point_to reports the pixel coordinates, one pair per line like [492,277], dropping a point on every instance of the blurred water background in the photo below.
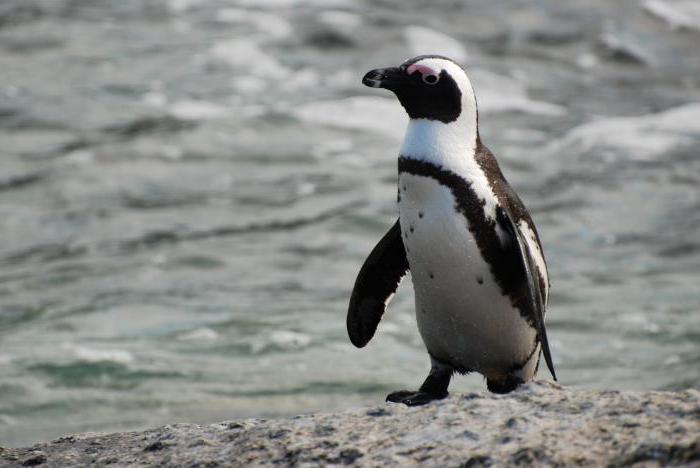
[188,188]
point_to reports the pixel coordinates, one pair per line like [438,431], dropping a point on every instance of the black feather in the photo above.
[535,295]
[378,279]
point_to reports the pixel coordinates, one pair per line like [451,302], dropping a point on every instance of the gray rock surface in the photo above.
[540,423]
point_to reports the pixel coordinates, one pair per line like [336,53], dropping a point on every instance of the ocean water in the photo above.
[189,187]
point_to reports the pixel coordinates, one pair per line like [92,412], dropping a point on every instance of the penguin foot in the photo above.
[410,398]
[507,385]
[434,387]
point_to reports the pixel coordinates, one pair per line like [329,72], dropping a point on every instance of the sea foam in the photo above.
[683,14]
[380,115]
[423,41]
[642,137]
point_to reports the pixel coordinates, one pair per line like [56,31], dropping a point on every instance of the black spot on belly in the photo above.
[420,214]
[432,276]
[410,228]
[404,188]
[423,310]
[480,279]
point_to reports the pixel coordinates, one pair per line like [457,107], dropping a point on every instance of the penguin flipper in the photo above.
[535,296]
[376,283]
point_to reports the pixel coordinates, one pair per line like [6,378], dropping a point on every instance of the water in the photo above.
[188,188]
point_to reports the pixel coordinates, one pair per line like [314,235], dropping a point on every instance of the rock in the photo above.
[540,423]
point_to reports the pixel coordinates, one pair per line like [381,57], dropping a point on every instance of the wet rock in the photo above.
[34,459]
[541,423]
[376,412]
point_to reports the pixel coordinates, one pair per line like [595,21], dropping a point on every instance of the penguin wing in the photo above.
[535,302]
[375,285]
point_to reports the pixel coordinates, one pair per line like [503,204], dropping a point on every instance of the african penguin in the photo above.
[479,274]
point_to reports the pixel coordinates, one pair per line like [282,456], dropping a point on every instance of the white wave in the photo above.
[281,339]
[679,14]
[99,355]
[197,110]
[249,84]
[199,334]
[80,157]
[171,152]
[423,41]
[294,81]
[641,321]
[493,101]
[273,26]
[375,114]
[289,339]
[342,78]
[672,360]
[497,93]
[7,420]
[298,80]
[274,4]
[247,58]
[682,119]
[305,189]
[388,328]
[628,45]
[338,19]
[154,99]
[587,60]
[643,137]
[182,6]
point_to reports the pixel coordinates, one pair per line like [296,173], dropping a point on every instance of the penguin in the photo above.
[478,270]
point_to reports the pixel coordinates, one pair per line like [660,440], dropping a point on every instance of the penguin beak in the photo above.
[387,78]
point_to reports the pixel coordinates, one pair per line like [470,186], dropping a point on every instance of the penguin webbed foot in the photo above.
[434,387]
[507,385]
[411,398]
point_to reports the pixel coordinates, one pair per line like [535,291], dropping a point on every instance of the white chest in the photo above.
[462,314]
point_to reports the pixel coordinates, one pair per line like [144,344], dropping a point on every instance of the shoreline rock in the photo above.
[540,423]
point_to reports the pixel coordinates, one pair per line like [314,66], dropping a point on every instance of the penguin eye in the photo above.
[430,79]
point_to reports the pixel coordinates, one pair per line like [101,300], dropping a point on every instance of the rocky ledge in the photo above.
[541,423]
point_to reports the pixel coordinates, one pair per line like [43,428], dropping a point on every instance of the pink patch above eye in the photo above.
[422,69]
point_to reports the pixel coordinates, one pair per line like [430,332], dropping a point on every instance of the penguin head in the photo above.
[429,87]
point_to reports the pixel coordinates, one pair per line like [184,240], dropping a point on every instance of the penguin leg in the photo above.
[507,385]
[434,387]
[516,375]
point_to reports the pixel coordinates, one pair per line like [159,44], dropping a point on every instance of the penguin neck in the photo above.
[451,146]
